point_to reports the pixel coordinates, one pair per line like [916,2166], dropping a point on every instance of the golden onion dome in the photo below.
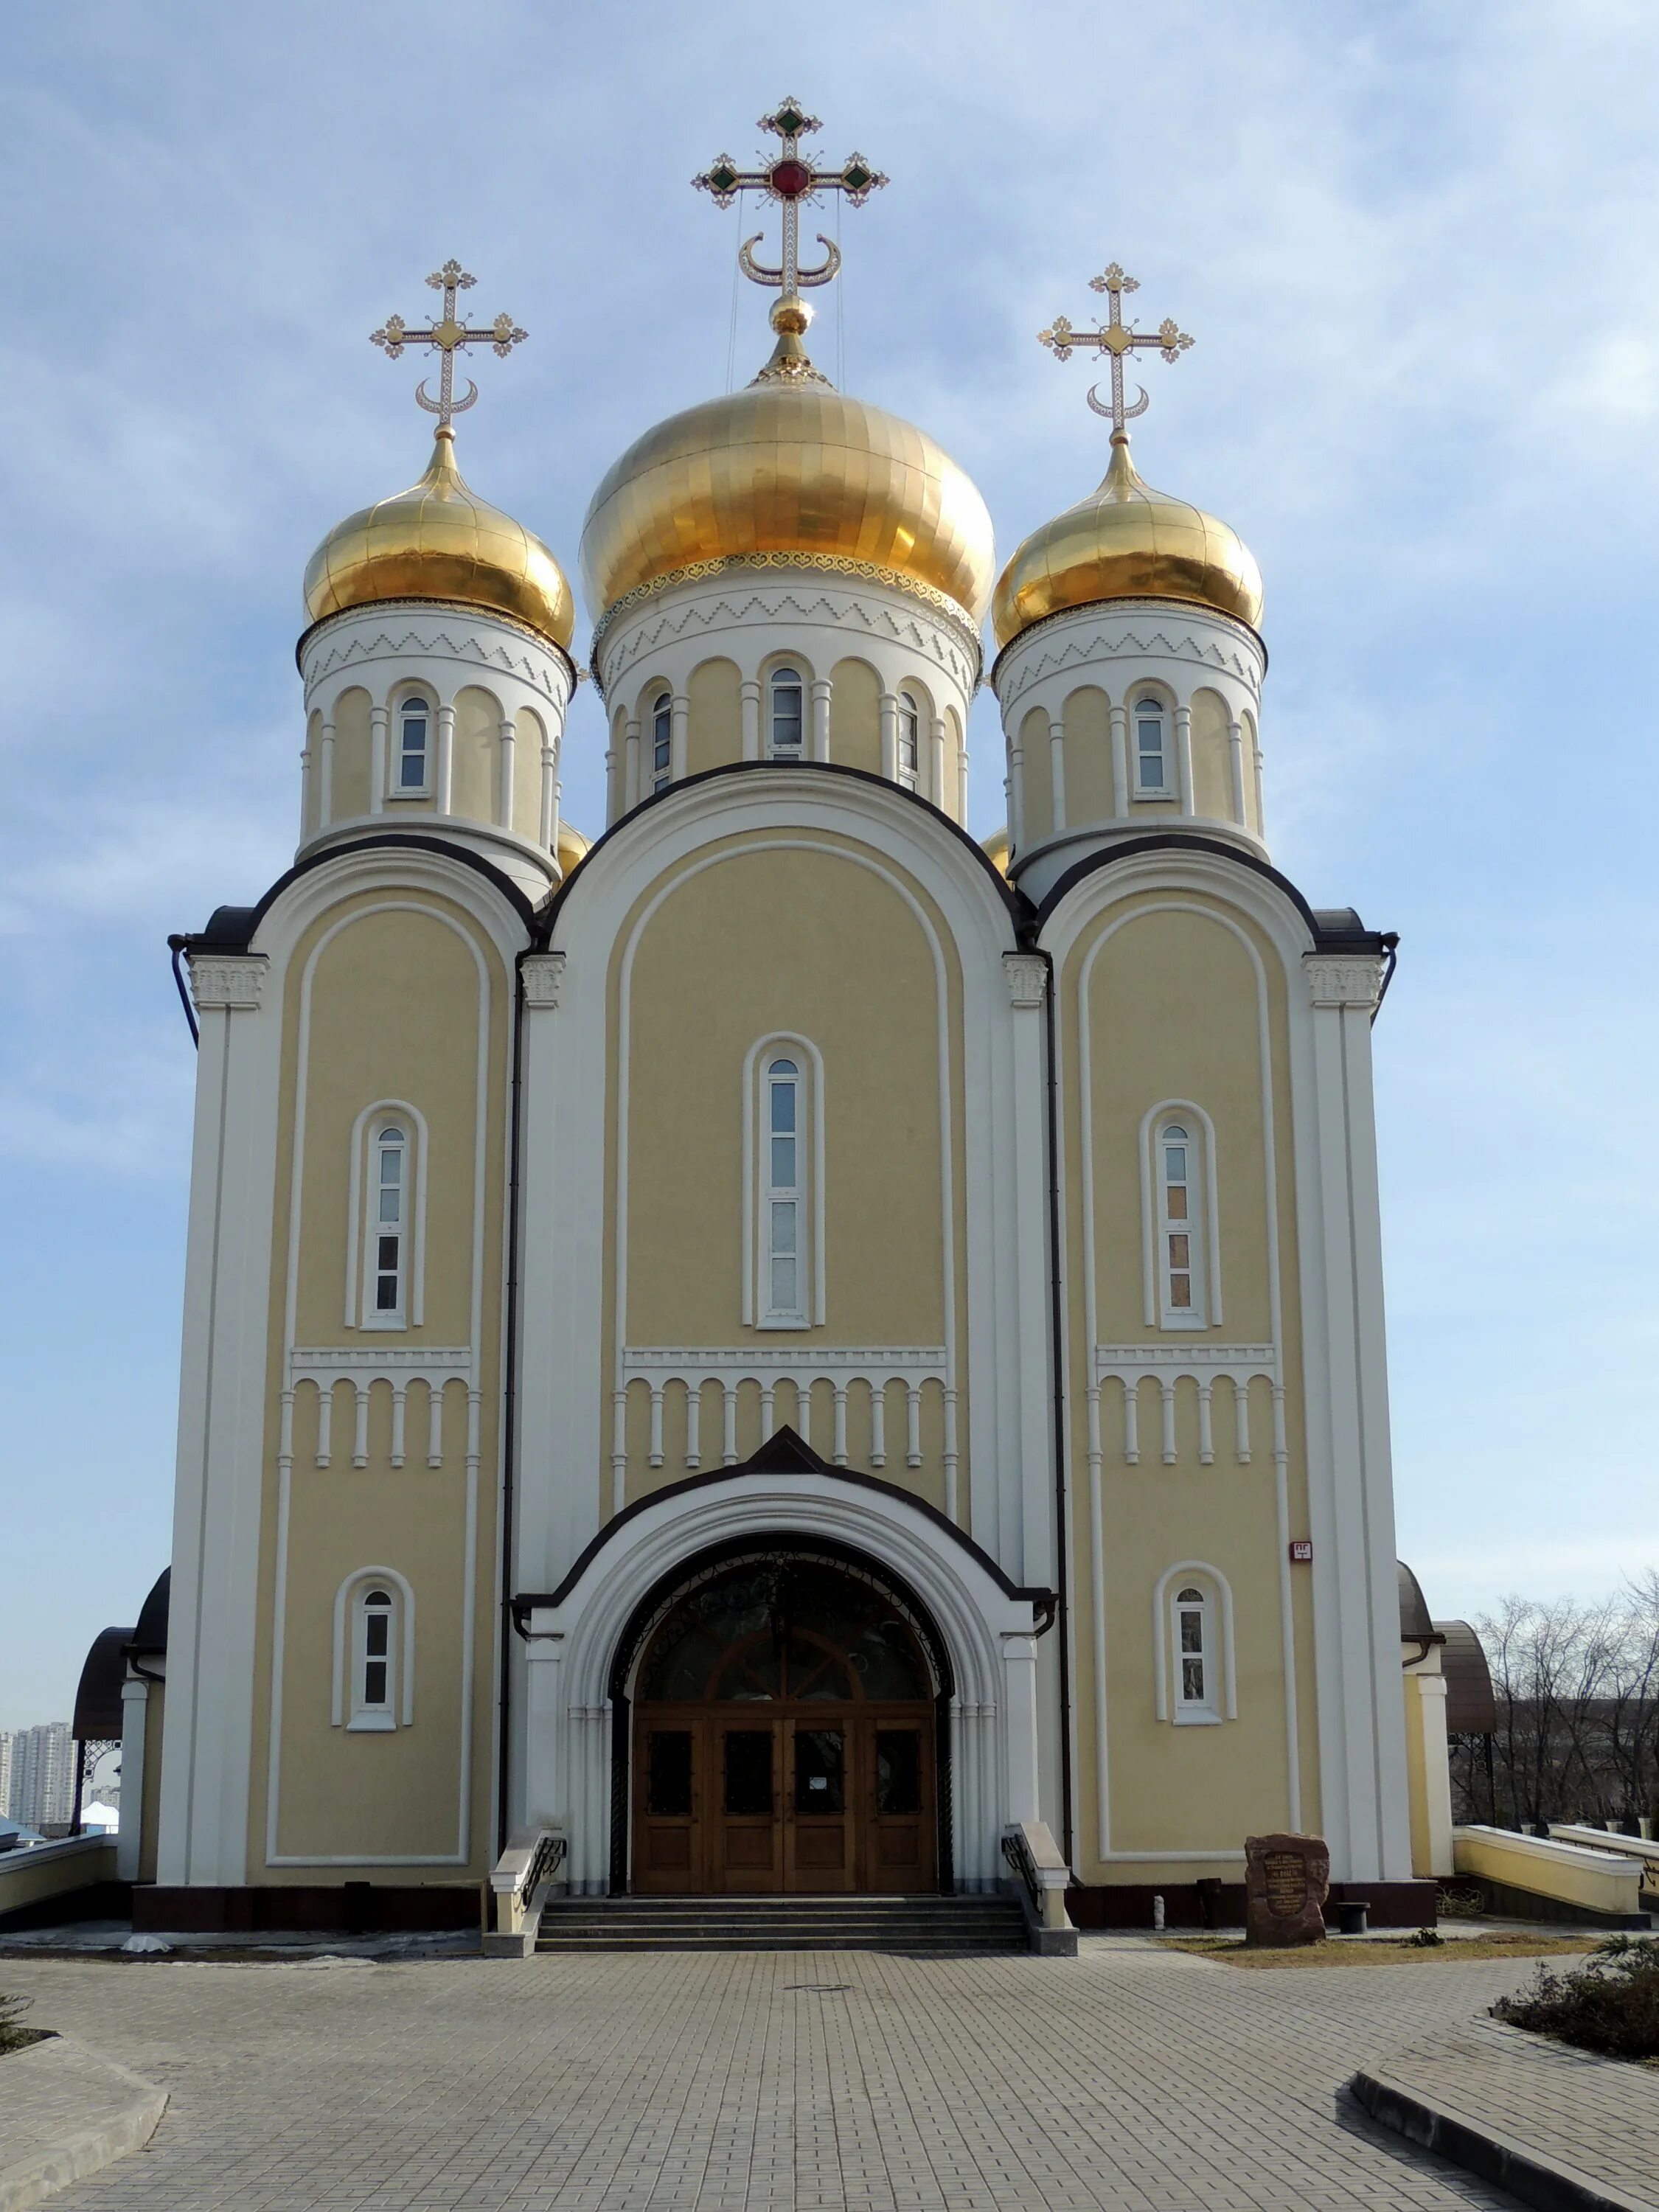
[995,849]
[439,540]
[788,466]
[1127,541]
[572,847]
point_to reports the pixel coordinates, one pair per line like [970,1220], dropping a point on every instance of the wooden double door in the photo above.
[783,1734]
[802,1799]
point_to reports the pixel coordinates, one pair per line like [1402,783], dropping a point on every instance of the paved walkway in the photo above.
[1595,2120]
[1133,2078]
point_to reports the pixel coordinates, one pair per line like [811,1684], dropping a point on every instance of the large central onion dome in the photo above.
[439,540]
[1127,541]
[787,466]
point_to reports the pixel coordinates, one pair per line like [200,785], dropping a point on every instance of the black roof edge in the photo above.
[231,928]
[1333,929]
[1019,906]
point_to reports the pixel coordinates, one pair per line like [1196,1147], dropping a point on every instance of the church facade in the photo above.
[784,1343]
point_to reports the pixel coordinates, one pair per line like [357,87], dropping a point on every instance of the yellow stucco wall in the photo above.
[776,940]
[1174,1013]
[352,740]
[393,1014]
[1212,774]
[475,760]
[1088,725]
[714,734]
[855,715]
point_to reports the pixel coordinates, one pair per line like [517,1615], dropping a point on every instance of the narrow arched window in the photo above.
[909,740]
[1181,1226]
[414,748]
[388,1229]
[1193,1646]
[1152,725]
[783,1201]
[374,1664]
[662,741]
[787,722]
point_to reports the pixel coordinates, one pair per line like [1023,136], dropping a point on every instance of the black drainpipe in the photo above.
[509,1427]
[1063,1575]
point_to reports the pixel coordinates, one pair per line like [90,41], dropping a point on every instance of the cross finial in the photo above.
[1115,338]
[793,180]
[450,337]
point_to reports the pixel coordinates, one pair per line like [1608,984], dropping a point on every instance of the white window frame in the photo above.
[1220,1700]
[1166,788]
[791,675]
[661,728]
[1203,1223]
[363,1209]
[350,1709]
[760,1193]
[395,788]
[907,726]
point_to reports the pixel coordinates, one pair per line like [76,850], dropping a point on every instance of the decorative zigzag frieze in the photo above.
[1081,647]
[629,642]
[347,647]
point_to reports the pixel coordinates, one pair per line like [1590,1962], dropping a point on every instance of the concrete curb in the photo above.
[47,2139]
[1549,2184]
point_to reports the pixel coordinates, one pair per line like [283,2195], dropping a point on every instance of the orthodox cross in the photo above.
[790,179]
[1115,338]
[450,337]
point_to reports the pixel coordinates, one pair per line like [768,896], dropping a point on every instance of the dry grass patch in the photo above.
[1370,1951]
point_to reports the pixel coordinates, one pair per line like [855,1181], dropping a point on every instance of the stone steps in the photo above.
[783,1923]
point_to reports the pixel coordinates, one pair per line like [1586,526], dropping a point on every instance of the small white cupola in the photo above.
[437,665]
[1131,664]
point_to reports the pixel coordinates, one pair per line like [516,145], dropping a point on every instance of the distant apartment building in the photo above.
[37,1774]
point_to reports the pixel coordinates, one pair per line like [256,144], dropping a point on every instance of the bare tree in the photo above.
[1577,1692]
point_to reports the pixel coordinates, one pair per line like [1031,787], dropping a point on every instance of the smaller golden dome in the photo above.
[439,540]
[1127,541]
[995,849]
[572,847]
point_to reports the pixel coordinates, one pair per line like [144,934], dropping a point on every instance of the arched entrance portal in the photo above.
[785,1731]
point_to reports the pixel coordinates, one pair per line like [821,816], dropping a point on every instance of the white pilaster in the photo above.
[679,724]
[1020,1672]
[505,812]
[135,1701]
[377,773]
[1183,740]
[1057,768]
[1119,720]
[890,736]
[1026,975]
[217,1495]
[1361,1721]
[445,759]
[749,694]
[821,718]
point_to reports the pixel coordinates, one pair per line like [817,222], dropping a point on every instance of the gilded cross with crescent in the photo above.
[1115,338]
[792,179]
[450,337]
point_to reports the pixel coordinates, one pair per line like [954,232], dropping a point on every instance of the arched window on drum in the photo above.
[1150,719]
[786,724]
[411,775]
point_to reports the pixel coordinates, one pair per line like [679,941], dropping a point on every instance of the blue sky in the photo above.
[1417,245]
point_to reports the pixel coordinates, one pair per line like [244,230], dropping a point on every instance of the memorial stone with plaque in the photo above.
[1286,1880]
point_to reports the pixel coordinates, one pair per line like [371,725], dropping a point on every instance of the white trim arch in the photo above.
[345,1603]
[1210,1227]
[1220,1590]
[357,1314]
[782,1041]
[989,1634]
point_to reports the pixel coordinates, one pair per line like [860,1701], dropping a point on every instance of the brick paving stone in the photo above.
[1599,2117]
[1131,2080]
